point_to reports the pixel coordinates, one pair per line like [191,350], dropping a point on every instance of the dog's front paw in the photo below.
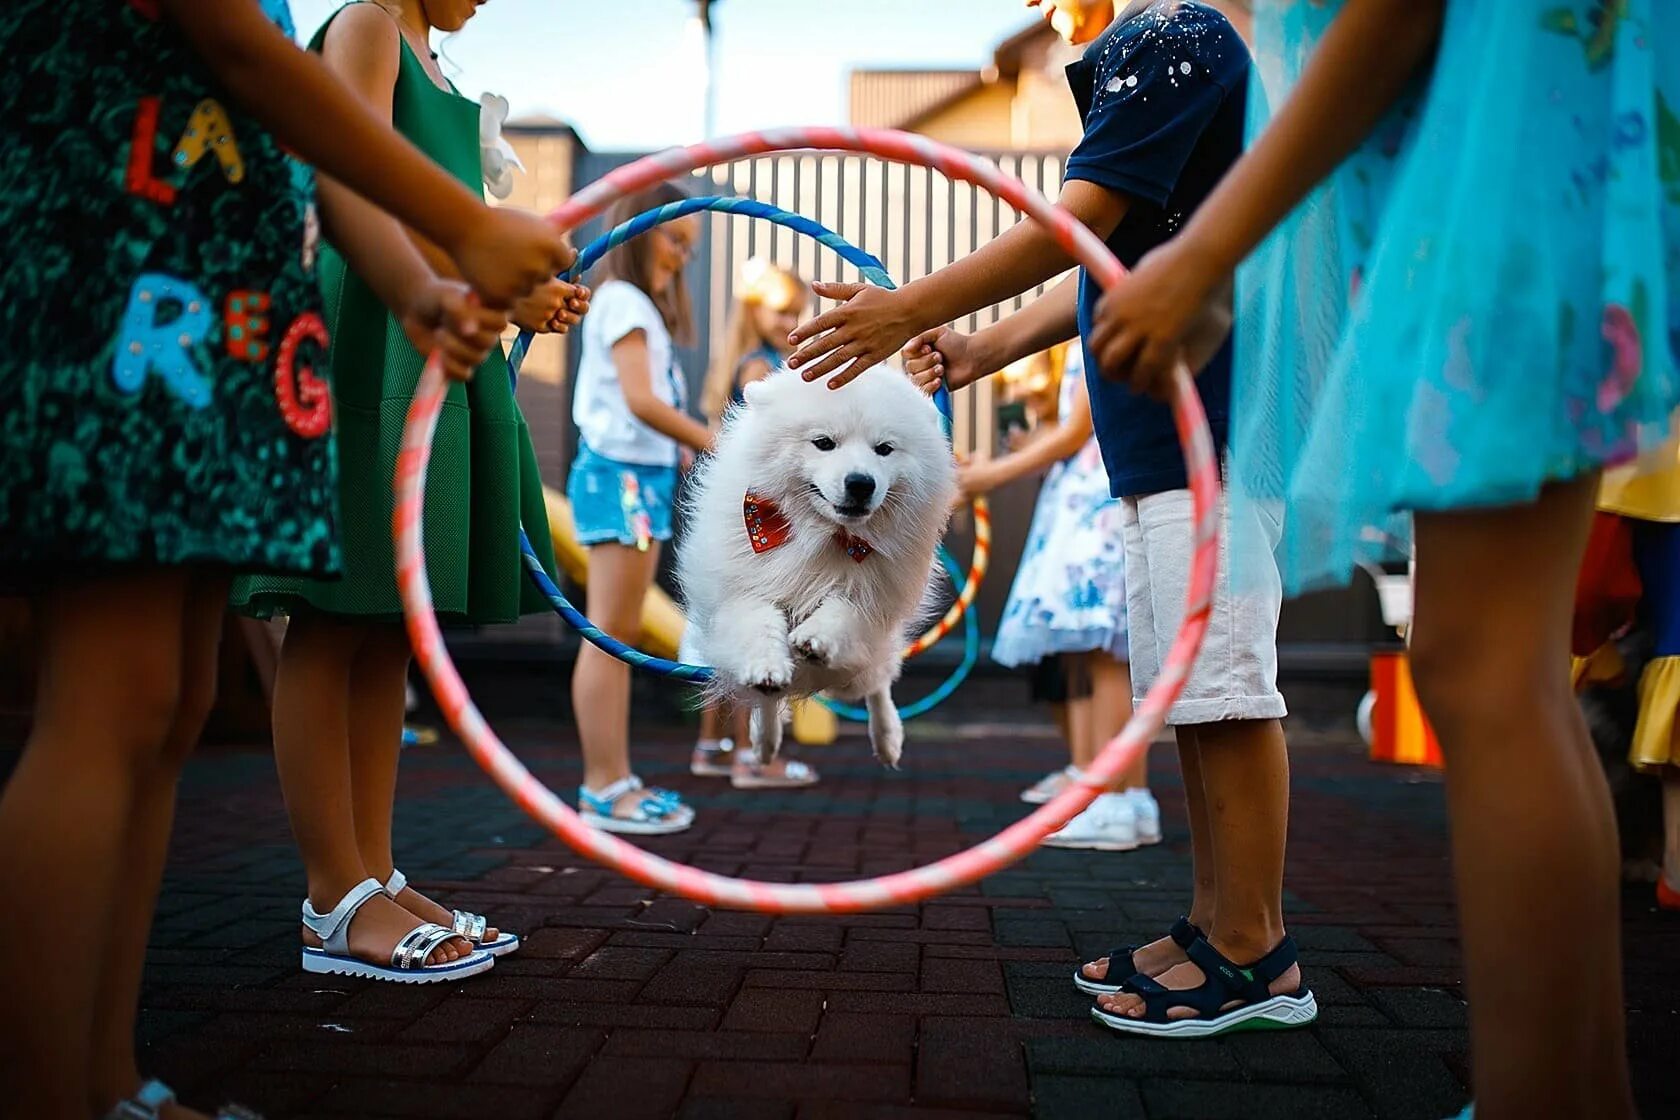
[820,641]
[769,671]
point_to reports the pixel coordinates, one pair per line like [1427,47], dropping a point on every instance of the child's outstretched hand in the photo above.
[555,307]
[864,331]
[1170,308]
[941,355]
[509,253]
[446,316]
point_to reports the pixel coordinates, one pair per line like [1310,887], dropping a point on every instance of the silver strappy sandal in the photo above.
[407,959]
[467,924]
[154,1094]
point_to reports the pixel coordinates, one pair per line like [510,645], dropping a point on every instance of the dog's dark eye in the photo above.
[823,443]
[883,449]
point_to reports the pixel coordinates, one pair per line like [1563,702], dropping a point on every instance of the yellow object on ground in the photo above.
[662,619]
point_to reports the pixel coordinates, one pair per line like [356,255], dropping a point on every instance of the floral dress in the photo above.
[1485,297]
[1069,594]
[162,351]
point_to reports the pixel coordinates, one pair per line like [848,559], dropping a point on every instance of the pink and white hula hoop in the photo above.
[1008,846]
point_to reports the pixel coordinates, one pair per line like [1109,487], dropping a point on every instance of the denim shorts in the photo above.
[619,503]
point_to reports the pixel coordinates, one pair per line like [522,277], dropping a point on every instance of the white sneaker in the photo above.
[1148,814]
[1108,824]
[1047,787]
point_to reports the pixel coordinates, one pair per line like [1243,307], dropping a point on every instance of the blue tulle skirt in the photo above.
[1483,299]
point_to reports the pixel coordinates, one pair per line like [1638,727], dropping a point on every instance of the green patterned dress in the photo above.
[483,478]
[160,323]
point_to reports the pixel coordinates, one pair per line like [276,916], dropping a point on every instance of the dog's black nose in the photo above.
[860,487]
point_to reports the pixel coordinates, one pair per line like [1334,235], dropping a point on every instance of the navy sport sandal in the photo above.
[1225,982]
[1121,968]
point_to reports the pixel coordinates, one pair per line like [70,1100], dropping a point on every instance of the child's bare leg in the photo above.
[712,722]
[312,690]
[1671,826]
[1205,891]
[1059,714]
[1534,845]
[109,689]
[116,1073]
[1081,743]
[1111,707]
[1163,953]
[378,680]
[619,578]
[1245,787]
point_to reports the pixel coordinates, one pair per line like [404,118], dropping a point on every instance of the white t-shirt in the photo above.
[603,418]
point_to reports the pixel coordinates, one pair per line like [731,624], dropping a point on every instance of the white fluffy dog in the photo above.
[810,544]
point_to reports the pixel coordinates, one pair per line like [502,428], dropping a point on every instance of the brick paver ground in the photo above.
[624,1005]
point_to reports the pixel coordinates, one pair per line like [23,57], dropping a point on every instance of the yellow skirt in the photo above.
[1656,743]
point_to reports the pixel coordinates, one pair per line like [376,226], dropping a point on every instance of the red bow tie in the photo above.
[768,528]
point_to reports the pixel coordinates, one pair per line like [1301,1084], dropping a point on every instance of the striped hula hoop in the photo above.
[900,888]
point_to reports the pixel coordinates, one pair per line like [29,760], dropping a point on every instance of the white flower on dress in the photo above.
[495,154]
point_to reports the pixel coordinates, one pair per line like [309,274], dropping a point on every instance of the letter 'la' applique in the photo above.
[209,131]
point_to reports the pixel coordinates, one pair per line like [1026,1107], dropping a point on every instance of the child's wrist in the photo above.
[413,290]
[465,222]
[1206,258]
[989,351]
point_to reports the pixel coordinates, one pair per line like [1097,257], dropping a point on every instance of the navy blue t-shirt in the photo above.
[1162,94]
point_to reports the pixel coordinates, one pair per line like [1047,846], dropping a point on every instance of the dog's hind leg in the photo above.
[765,724]
[886,730]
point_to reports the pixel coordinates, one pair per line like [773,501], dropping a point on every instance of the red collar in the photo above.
[768,528]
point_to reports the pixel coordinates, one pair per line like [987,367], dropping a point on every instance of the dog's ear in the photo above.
[756,392]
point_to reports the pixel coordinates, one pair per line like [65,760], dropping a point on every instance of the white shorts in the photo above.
[1235,676]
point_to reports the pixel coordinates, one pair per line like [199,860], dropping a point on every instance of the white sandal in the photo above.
[154,1094]
[658,812]
[408,959]
[749,773]
[468,926]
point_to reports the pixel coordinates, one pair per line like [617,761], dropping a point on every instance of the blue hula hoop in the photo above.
[871,269]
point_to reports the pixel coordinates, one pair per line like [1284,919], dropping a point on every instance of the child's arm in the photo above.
[874,322]
[635,380]
[1358,70]
[436,314]
[1057,442]
[502,253]
[943,354]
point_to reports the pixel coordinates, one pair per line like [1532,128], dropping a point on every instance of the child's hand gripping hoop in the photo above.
[904,887]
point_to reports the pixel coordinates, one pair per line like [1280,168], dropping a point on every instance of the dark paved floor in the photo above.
[622,1005]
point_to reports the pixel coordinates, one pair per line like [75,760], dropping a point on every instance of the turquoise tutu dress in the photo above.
[1484,298]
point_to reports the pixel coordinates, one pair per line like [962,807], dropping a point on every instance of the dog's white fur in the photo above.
[805,617]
